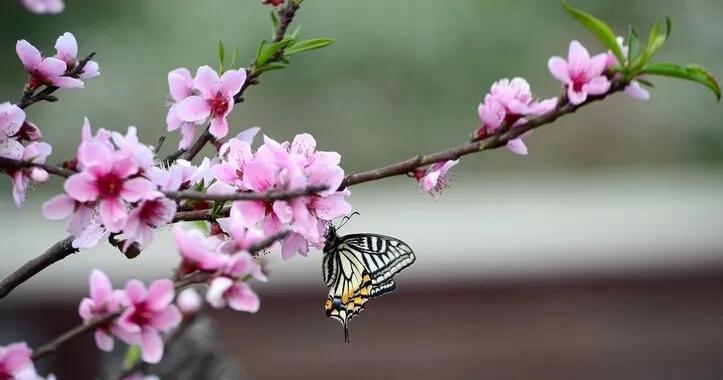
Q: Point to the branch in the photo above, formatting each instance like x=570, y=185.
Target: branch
x=247, y=196
x=57, y=252
x=71, y=334
x=12, y=164
x=189, y=279
x=408, y=165
x=29, y=97
x=286, y=16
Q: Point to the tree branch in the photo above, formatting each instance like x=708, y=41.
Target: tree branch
x=30, y=97
x=247, y=196
x=286, y=16
x=57, y=252
x=12, y=164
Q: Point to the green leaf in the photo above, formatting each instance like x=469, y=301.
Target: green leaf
x=645, y=82
x=272, y=66
x=601, y=30
x=296, y=31
x=132, y=356
x=310, y=44
x=274, y=23
x=221, y=53
x=668, y=27
x=633, y=45
x=234, y=57
x=267, y=51
x=692, y=73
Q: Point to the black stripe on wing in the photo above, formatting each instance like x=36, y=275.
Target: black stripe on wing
x=383, y=256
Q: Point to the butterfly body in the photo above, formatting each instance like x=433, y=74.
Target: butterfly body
x=359, y=267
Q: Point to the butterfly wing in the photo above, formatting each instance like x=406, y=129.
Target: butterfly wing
x=358, y=268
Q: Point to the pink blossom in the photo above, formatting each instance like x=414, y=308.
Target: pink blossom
x=237, y=295
x=44, y=6
x=215, y=99
x=634, y=90
x=103, y=301
x=146, y=217
x=11, y=120
x=35, y=152
x=49, y=71
x=15, y=362
x=29, y=132
x=188, y=301
x=67, y=50
x=581, y=74
x=198, y=253
x=131, y=146
x=84, y=225
x=180, y=84
x=236, y=155
x=148, y=314
x=510, y=103
x=435, y=178
x=174, y=178
x=107, y=177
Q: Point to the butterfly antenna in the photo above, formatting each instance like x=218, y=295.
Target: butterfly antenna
x=345, y=219
x=346, y=333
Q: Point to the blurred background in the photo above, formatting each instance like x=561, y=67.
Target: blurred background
x=598, y=256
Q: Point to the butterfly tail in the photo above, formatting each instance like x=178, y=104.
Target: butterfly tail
x=346, y=333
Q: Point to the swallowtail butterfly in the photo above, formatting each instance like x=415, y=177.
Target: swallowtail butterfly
x=359, y=267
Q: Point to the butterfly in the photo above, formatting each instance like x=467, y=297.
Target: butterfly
x=359, y=267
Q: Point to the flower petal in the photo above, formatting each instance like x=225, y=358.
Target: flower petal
x=151, y=346
x=136, y=189
x=160, y=294
x=29, y=55
x=82, y=187
x=558, y=69
x=66, y=47
x=516, y=146
x=193, y=108
x=206, y=82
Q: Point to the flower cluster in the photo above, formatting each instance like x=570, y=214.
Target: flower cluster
x=16, y=364
x=117, y=189
x=509, y=104
x=434, y=178
x=279, y=167
x=141, y=314
x=14, y=129
x=197, y=99
x=55, y=71
x=226, y=263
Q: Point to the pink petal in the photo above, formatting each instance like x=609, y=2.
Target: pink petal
x=85, y=309
x=283, y=211
x=11, y=119
x=193, y=108
x=16, y=358
x=29, y=55
x=219, y=127
x=575, y=97
x=578, y=58
x=597, y=86
x=136, y=189
x=215, y=294
x=67, y=82
x=248, y=135
x=160, y=294
x=180, y=84
x=95, y=153
x=635, y=91
x=207, y=82
x=103, y=340
x=189, y=301
x=429, y=181
x=82, y=187
x=11, y=148
x=167, y=318
x=151, y=346
x=231, y=82
x=66, y=47
x=125, y=164
x=90, y=70
x=558, y=69
x=225, y=173
x=136, y=291
x=100, y=287
x=516, y=146
x=52, y=67
x=113, y=214
x=332, y=206
x=188, y=132
x=248, y=212
x=292, y=244
x=597, y=65
x=543, y=107
x=242, y=298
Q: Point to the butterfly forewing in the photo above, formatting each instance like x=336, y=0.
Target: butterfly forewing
x=359, y=267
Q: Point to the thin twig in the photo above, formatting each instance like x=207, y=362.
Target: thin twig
x=247, y=196
x=29, y=98
x=71, y=334
x=57, y=252
x=12, y=164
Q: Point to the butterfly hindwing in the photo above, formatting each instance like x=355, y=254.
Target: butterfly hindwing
x=359, y=267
